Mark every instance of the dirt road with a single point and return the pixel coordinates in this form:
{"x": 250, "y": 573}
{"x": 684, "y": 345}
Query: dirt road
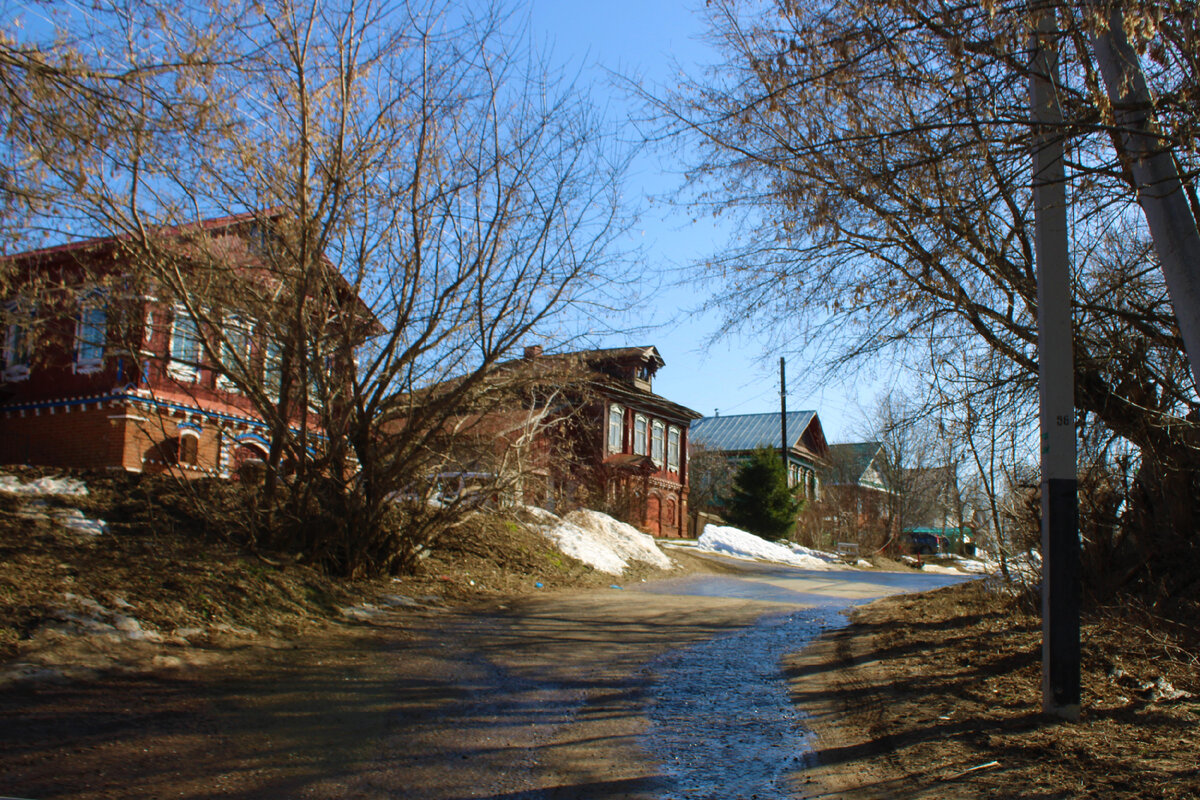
{"x": 543, "y": 697}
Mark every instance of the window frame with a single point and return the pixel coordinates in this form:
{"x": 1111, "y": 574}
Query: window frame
{"x": 658, "y": 442}
{"x": 674, "y": 443}
{"x": 616, "y": 428}
{"x": 17, "y": 329}
{"x": 184, "y": 458}
{"x": 89, "y": 355}
{"x": 272, "y": 369}
{"x": 235, "y": 327}
{"x": 640, "y": 434}
{"x": 177, "y": 367}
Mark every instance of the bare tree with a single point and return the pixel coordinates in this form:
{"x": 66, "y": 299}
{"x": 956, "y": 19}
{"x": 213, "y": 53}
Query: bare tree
{"x": 881, "y": 155}
{"x": 414, "y": 198}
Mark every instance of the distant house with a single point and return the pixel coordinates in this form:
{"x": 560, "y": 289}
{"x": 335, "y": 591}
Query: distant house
{"x": 933, "y": 508}
{"x": 99, "y": 369}
{"x": 738, "y": 435}
{"x": 854, "y": 485}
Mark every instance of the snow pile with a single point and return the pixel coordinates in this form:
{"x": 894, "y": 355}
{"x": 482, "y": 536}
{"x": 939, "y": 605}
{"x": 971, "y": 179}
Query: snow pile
{"x": 731, "y": 541}
{"x": 77, "y": 521}
{"x": 84, "y": 615}
{"x": 58, "y": 486}
{"x": 598, "y": 540}
{"x": 975, "y": 566}
{"x": 939, "y": 569}
{"x": 820, "y": 555}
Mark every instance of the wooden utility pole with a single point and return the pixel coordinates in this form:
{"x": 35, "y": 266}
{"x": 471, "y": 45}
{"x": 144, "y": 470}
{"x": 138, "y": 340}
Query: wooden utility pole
{"x": 783, "y": 442}
{"x": 1056, "y": 385}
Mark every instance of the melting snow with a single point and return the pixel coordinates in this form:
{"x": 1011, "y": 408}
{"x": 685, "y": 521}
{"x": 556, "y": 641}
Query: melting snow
{"x": 59, "y": 486}
{"x": 731, "y": 541}
{"x": 598, "y": 540}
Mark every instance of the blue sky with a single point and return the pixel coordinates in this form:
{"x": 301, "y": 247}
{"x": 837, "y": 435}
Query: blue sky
{"x": 645, "y": 38}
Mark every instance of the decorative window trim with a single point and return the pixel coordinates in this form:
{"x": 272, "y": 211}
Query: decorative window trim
{"x": 658, "y": 442}
{"x": 177, "y": 367}
{"x": 12, "y": 329}
{"x": 188, "y": 455}
{"x": 674, "y": 441}
{"x": 234, "y": 327}
{"x": 616, "y": 425}
{"x": 640, "y": 434}
{"x": 89, "y": 356}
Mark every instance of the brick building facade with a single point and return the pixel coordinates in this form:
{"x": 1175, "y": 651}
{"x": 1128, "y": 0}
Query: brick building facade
{"x": 96, "y": 374}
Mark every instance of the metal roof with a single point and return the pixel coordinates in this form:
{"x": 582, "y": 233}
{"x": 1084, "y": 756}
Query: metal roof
{"x": 748, "y": 431}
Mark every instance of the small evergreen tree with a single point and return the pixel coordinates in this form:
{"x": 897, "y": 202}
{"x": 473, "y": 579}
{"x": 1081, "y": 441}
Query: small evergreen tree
{"x": 761, "y": 502}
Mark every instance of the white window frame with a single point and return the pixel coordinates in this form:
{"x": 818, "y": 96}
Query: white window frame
{"x": 16, "y": 330}
{"x": 93, "y": 361}
{"x": 178, "y": 368}
{"x": 658, "y": 442}
{"x": 674, "y": 440}
{"x": 272, "y": 368}
{"x": 616, "y": 428}
{"x": 640, "y": 434}
{"x": 235, "y": 328}
{"x": 186, "y": 433}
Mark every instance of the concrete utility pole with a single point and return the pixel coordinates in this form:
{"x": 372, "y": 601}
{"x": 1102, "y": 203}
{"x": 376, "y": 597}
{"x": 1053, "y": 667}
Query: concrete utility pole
{"x": 1056, "y": 386}
{"x": 1160, "y": 190}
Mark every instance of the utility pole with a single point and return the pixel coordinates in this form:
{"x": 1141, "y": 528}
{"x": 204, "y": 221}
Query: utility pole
{"x": 1056, "y": 385}
{"x": 1173, "y": 226}
{"x": 783, "y": 442}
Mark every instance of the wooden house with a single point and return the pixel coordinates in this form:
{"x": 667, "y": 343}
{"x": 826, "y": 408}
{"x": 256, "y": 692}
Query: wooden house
{"x": 738, "y": 435}
{"x": 589, "y": 431}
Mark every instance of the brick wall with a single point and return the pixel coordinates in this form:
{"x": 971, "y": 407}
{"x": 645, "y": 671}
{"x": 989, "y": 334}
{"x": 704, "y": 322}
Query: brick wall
{"x": 111, "y": 435}
{"x": 73, "y": 436}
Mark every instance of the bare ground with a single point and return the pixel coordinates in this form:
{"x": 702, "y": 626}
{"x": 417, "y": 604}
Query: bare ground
{"x": 243, "y": 678}
{"x": 939, "y": 695}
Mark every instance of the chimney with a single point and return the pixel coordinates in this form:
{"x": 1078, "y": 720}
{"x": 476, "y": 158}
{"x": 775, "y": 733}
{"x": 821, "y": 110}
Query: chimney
{"x": 532, "y": 351}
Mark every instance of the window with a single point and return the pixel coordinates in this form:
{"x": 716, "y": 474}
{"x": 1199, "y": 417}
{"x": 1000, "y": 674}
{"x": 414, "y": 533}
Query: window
{"x": 657, "y": 437}
{"x": 272, "y": 369}
{"x": 673, "y": 437}
{"x": 616, "y": 426}
{"x": 235, "y": 352}
{"x": 320, "y": 371}
{"x": 16, "y": 351}
{"x": 189, "y": 447}
{"x": 91, "y": 335}
{"x": 639, "y": 434}
{"x": 185, "y": 346}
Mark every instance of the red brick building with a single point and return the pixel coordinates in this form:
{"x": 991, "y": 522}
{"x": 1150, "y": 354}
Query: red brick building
{"x": 97, "y": 374}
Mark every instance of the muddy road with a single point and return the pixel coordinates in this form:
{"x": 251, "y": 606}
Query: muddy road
{"x": 662, "y": 690}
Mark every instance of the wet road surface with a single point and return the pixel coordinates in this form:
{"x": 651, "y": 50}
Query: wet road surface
{"x": 722, "y": 723}
{"x": 665, "y": 690}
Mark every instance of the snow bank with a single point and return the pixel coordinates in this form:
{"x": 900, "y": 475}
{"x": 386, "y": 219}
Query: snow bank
{"x": 59, "y": 486}
{"x": 940, "y": 570}
{"x": 731, "y": 541}
{"x": 597, "y": 539}
{"x": 975, "y": 566}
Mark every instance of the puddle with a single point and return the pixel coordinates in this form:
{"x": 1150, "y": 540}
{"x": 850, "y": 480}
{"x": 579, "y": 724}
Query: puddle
{"x": 722, "y": 724}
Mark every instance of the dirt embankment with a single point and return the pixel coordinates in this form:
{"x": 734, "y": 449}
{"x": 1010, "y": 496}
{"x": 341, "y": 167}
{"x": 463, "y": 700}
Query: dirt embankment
{"x": 260, "y": 685}
{"x": 939, "y": 695}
